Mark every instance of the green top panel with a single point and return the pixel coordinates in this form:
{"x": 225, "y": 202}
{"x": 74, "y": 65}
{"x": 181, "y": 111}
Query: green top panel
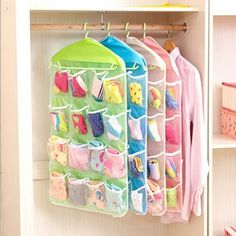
{"x": 88, "y": 50}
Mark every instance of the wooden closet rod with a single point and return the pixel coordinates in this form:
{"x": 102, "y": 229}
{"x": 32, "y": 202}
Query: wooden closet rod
{"x": 108, "y": 27}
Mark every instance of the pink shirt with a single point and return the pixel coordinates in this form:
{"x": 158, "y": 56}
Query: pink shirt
{"x": 195, "y": 168}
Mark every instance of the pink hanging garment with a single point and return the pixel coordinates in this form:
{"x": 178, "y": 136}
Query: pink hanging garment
{"x": 194, "y": 141}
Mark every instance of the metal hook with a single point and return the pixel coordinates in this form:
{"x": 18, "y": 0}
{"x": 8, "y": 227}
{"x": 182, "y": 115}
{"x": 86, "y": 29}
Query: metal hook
{"x": 85, "y": 26}
{"x": 86, "y": 35}
{"x": 168, "y": 34}
{"x": 102, "y": 20}
{"x": 126, "y": 28}
{"x": 144, "y": 30}
{"x": 126, "y": 25}
{"x": 108, "y": 29}
{"x": 85, "y": 29}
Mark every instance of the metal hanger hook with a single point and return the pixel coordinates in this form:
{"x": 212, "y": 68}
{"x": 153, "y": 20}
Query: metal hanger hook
{"x": 126, "y": 25}
{"x": 168, "y": 34}
{"x": 128, "y": 33}
{"x": 86, "y": 35}
{"x": 108, "y": 29}
{"x": 144, "y": 30}
{"x": 102, "y": 20}
{"x": 85, "y": 29}
{"x": 126, "y": 29}
{"x": 85, "y": 26}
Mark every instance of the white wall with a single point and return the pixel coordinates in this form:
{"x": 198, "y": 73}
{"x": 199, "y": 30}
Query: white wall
{"x": 10, "y": 221}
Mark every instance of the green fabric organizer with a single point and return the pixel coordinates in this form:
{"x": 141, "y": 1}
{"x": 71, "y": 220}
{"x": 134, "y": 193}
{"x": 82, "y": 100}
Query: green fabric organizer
{"x": 104, "y": 189}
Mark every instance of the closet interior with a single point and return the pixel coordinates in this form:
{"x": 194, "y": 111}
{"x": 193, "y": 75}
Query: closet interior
{"x": 45, "y": 43}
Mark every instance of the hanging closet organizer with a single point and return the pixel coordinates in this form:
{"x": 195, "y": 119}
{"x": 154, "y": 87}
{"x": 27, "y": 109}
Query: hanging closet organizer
{"x": 156, "y": 183}
{"x": 115, "y": 112}
{"x": 136, "y": 69}
{"x": 173, "y": 145}
{"x": 88, "y": 167}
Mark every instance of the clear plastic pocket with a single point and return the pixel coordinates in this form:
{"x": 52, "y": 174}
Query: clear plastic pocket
{"x": 79, "y": 156}
{"x": 57, "y": 186}
{"x": 97, "y": 155}
{"x": 59, "y": 95}
{"x": 96, "y": 196}
{"x": 59, "y": 120}
{"x": 137, "y": 179}
{"x": 96, "y": 122}
{"x": 137, "y": 132}
{"x": 114, "y": 125}
{"x": 58, "y": 149}
{"x": 137, "y": 165}
{"x": 138, "y": 199}
{"x": 78, "y": 191}
{"x": 137, "y": 91}
{"x": 156, "y": 73}
{"x": 173, "y": 163}
{"x": 79, "y": 125}
{"x": 174, "y": 198}
{"x": 156, "y": 97}
{"x": 157, "y": 202}
{"x": 114, "y": 163}
{"x": 156, "y": 134}
{"x": 78, "y": 85}
{"x": 115, "y": 198}
{"x": 155, "y": 166}
{"x": 173, "y": 99}
{"x": 114, "y": 90}
{"x": 156, "y": 184}
{"x": 173, "y": 134}
{"x": 97, "y": 88}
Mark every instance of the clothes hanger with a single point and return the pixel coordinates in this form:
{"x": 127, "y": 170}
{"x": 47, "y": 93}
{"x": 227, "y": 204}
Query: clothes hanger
{"x": 126, "y": 29}
{"x": 85, "y": 29}
{"x": 169, "y": 45}
{"x": 135, "y": 66}
{"x": 108, "y": 29}
{"x": 144, "y": 30}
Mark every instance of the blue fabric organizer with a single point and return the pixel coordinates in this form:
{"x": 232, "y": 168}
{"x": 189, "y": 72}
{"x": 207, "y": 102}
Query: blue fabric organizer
{"x": 136, "y": 67}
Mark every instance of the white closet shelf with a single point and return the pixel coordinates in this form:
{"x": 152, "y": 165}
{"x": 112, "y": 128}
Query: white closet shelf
{"x": 77, "y": 7}
{"x": 228, "y": 12}
{"x": 224, "y": 9}
{"x": 221, "y": 141}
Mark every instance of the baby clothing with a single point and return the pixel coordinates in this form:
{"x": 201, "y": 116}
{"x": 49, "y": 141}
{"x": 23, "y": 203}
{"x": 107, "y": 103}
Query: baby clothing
{"x": 58, "y": 149}
{"x": 79, "y": 123}
{"x": 112, "y": 127}
{"x": 78, "y": 87}
{"x": 61, "y": 82}
{"x": 113, "y": 91}
{"x": 78, "y": 191}
{"x": 96, "y": 123}
{"x": 97, "y": 194}
{"x": 79, "y": 156}
{"x": 114, "y": 165}
{"x": 57, "y": 186}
